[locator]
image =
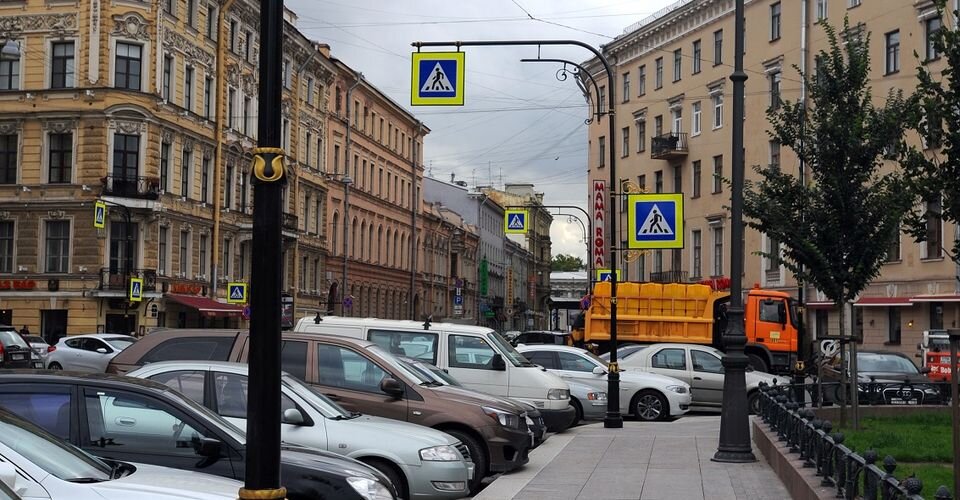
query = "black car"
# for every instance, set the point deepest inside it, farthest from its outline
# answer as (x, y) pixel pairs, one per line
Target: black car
(541, 337)
(134, 420)
(15, 352)
(885, 377)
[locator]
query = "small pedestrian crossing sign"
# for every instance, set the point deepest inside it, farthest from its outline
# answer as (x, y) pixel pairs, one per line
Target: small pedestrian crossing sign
(607, 275)
(237, 293)
(99, 214)
(136, 289)
(437, 79)
(515, 222)
(655, 220)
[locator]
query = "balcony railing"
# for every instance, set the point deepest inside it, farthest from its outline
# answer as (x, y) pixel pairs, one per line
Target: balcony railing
(669, 145)
(669, 277)
(116, 279)
(144, 188)
(290, 222)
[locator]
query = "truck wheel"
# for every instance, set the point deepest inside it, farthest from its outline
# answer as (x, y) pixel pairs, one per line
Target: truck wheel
(759, 364)
(753, 403)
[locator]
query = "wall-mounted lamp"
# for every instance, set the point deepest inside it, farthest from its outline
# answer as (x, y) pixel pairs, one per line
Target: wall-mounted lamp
(910, 324)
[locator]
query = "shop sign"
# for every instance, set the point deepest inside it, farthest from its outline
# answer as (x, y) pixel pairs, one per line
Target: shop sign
(186, 288)
(17, 284)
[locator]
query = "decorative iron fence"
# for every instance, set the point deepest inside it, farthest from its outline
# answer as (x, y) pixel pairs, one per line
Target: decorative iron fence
(852, 475)
(114, 279)
(146, 188)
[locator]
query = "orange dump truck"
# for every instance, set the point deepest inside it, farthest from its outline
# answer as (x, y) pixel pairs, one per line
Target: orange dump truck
(694, 314)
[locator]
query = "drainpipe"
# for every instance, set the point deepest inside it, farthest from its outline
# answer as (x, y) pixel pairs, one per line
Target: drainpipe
(296, 178)
(413, 221)
(346, 193)
(218, 154)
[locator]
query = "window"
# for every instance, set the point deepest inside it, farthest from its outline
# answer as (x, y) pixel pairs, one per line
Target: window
(697, 115)
(157, 430)
(231, 99)
(658, 125)
(658, 181)
(167, 69)
(120, 261)
(341, 367)
(717, 174)
(705, 362)
(775, 21)
(187, 382)
(246, 116)
(677, 179)
(293, 355)
(717, 110)
(625, 143)
(310, 90)
(211, 31)
(185, 168)
(775, 78)
(204, 245)
(642, 80)
(575, 363)
(823, 322)
(602, 150)
(821, 9)
(227, 256)
(8, 158)
(57, 250)
(670, 359)
(893, 52)
(10, 74)
(677, 63)
(718, 47)
(602, 99)
(62, 66)
(204, 179)
(545, 359)
(127, 70)
(641, 136)
(287, 68)
(697, 56)
(60, 158)
(858, 324)
(232, 34)
(933, 246)
(626, 87)
(469, 352)
(659, 73)
(162, 249)
(207, 97)
(191, 13)
(936, 315)
(247, 45)
(696, 178)
(47, 407)
(6, 246)
(230, 391)
(164, 166)
(773, 255)
(188, 88)
(168, 6)
(853, 3)
(774, 154)
(412, 344)
(893, 325)
(190, 348)
(893, 253)
(677, 120)
(185, 256)
(718, 251)
(697, 238)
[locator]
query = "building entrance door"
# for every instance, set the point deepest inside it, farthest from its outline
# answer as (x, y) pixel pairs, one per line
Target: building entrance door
(120, 323)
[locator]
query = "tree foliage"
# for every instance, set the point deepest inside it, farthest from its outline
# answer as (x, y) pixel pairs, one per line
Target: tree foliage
(837, 228)
(935, 175)
(564, 262)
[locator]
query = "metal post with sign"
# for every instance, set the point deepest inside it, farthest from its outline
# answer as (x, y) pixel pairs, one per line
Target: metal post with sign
(437, 79)
(515, 221)
(136, 290)
(236, 293)
(99, 214)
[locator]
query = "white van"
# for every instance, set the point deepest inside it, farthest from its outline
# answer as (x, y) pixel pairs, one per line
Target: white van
(476, 356)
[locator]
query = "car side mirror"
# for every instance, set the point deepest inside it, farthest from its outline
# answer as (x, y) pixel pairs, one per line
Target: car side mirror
(209, 447)
(292, 416)
(497, 363)
(391, 387)
(598, 370)
(102, 350)
(925, 370)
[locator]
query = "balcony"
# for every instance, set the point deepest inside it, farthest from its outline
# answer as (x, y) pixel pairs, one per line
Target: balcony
(669, 146)
(669, 277)
(115, 279)
(141, 188)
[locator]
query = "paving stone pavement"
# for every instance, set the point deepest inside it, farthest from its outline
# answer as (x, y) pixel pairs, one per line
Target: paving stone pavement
(642, 461)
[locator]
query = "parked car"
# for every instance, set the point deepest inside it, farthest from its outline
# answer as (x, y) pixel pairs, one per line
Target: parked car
(589, 401)
(361, 376)
(15, 352)
(624, 351)
(421, 462)
(37, 464)
(87, 353)
(885, 377)
(128, 419)
(647, 396)
(40, 348)
(542, 337)
(698, 365)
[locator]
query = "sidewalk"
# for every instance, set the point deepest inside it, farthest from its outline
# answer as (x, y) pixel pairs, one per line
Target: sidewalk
(645, 461)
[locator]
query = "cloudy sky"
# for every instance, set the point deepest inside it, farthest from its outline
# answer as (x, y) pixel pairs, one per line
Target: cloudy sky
(519, 123)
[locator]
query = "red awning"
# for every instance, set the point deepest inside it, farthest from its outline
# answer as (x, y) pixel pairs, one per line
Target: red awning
(883, 302)
(936, 298)
(206, 306)
(819, 305)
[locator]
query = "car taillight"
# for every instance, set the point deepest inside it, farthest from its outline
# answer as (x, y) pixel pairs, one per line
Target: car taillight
(1, 350)
(51, 348)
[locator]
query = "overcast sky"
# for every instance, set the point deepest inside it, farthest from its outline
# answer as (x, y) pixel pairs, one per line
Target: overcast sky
(519, 123)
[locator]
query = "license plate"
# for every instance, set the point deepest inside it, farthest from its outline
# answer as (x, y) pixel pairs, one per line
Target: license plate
(901, 401)
(17, 356)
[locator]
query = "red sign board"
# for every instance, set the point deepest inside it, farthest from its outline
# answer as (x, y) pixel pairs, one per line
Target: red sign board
(939, 364)
(17, 284)
(186, 288)
(599, 218)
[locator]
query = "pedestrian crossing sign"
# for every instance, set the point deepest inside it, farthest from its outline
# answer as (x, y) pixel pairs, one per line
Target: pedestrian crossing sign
(607, 275)
(437, 79)
(236, 293)
(655, 220)
(515, 222)
(136, 289)
(99, 214)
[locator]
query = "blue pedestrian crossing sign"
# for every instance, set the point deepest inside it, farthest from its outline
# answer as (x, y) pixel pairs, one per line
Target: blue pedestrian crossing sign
(437, 79)
(99, 214)
(607, 275)
(236, 293)
(136, 290)
(515, 221)
(655, 220)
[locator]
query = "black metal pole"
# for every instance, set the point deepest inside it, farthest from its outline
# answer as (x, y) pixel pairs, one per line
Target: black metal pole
(734, 423)
(955, 407)
(262, 475)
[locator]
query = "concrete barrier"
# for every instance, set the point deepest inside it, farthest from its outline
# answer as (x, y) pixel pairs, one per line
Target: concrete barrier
(801, 483)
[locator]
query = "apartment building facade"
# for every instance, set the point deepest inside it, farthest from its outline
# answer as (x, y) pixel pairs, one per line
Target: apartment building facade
(672, 134)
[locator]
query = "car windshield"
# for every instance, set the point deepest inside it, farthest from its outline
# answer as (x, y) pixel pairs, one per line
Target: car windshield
(49, 453)
(314, 398)
(12, 339)
(889, 363)
(443, 376)
(120, 343)
(392, 360)
(420, 370)
(508, 350)
(35, 339)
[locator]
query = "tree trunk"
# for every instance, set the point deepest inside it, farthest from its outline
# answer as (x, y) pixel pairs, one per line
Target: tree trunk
(843, 369)
(854, 378)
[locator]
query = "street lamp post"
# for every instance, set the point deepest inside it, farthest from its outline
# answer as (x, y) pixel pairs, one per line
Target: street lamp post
(734, 425)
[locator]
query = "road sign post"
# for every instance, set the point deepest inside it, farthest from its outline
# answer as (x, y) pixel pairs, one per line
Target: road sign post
(437, 79)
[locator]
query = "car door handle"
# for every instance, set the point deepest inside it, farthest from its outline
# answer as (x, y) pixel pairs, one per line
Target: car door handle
(126, 421)
(332, 396)
(697, 378)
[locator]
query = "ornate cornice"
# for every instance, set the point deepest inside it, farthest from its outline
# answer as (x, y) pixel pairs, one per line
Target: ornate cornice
(7, 128)
(167, 135)
(193, 53)
(59, 126)
(34, 23)
(128, 126)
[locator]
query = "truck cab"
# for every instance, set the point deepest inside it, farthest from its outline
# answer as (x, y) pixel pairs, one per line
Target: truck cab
(772, 330)
(934, 353)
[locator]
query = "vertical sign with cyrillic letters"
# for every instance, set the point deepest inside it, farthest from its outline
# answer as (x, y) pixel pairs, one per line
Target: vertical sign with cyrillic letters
(599, 219)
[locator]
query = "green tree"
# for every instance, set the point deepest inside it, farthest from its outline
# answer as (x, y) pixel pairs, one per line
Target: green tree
(934, 175)
(835, 229)
(564, 262)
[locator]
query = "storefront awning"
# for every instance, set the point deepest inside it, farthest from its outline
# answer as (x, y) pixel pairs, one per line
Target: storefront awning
(206, 306)
(936, 298)
(822, 304)
(883, 302)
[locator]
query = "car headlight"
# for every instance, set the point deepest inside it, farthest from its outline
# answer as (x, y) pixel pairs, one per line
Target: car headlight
(442, 453)
(558, 394)
(597, 396)
(679, 389)
(503, 417)
(370, 489)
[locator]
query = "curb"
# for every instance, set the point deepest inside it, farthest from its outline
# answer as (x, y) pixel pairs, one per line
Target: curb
(802, 483)
(509, 484)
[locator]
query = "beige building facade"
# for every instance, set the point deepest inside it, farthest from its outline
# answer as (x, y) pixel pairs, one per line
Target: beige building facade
(672, 134)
